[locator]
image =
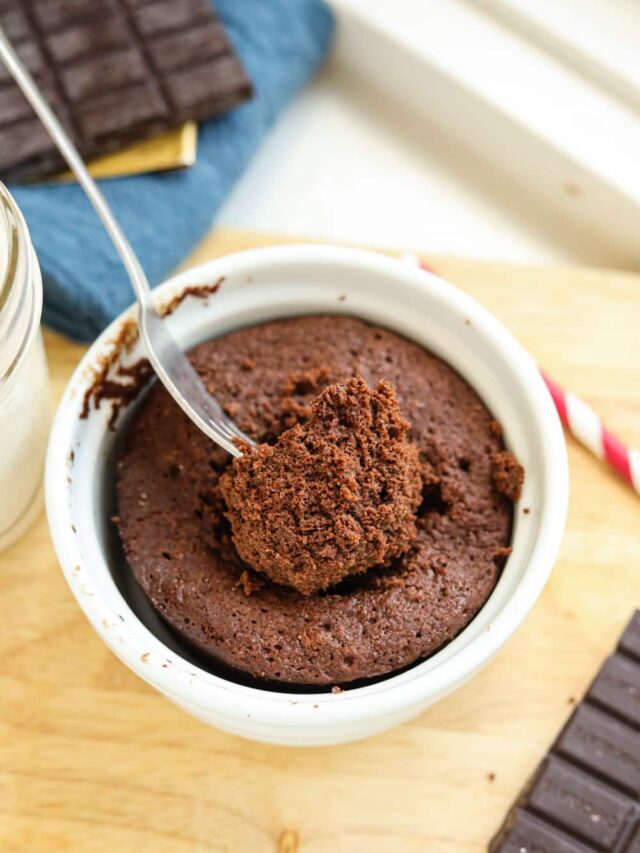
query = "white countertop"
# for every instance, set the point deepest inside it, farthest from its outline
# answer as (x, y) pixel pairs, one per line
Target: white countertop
(347, 162)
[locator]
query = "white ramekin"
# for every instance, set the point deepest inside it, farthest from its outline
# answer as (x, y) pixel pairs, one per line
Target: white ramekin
(290, 280)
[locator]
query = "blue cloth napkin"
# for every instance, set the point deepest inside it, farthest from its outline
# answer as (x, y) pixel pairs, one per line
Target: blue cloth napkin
(281, 43)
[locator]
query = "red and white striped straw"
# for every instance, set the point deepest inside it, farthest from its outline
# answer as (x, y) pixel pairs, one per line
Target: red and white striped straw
(583, 423)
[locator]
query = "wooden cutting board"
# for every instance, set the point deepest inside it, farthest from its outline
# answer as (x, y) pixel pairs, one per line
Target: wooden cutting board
(92, 759)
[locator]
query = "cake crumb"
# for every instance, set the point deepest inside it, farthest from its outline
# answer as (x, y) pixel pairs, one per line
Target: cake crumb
(507, 475)
(294, 412)
(496, 427)
(144, 657)
(249, 582)
(335, 689)
(526, 510)
(307, 381)
(500, 556)
(232, 408)
(491, 777)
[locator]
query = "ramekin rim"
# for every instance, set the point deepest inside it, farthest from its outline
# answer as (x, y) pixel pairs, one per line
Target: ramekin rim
(202, 689)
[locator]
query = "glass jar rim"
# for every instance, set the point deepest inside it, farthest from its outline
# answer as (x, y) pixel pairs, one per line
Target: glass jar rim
(20, 288)
(11, 226)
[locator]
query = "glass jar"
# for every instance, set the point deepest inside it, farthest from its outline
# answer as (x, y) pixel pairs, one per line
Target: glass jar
(25, 403)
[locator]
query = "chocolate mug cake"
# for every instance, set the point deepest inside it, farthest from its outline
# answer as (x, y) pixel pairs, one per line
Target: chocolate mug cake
(336, 620)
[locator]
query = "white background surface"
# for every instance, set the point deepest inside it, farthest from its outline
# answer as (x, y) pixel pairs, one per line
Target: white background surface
(350, 162)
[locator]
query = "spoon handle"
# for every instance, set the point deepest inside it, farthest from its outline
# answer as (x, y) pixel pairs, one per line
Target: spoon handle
(170, 363)
(71, 155)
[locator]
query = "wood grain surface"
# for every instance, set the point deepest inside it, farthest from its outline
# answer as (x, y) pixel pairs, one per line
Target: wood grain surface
(92, 759)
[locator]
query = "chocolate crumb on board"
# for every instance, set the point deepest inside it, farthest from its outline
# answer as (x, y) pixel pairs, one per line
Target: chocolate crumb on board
(526, 510)
(491, 777)
(200, 291)
(288, 841)
(342, 297)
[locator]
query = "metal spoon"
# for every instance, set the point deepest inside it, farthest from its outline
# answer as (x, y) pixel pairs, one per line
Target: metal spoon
(167, 359)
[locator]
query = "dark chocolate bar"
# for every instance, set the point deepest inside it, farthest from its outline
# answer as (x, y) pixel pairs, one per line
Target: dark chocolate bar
(585, 795)
(114, 71)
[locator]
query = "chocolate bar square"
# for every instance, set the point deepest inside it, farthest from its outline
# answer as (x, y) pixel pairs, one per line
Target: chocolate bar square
(585, 795)
(115, 71)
